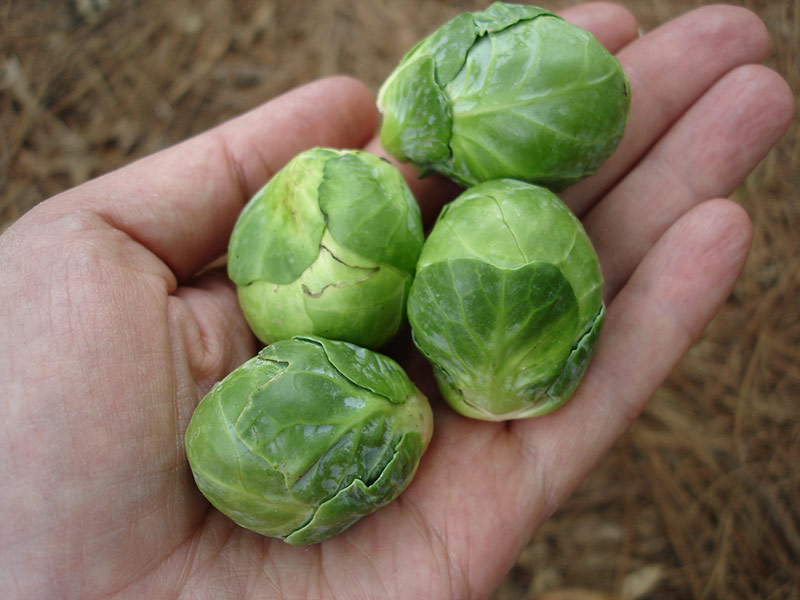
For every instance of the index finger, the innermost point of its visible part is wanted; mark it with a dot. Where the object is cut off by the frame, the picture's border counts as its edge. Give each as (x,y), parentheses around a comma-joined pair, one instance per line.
(181,203)
(669,69)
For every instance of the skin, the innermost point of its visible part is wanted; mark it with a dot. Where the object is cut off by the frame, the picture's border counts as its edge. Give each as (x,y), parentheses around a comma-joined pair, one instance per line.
(110,338)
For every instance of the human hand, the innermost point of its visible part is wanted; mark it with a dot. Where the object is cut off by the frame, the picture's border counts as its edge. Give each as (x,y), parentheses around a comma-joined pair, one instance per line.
(111,338)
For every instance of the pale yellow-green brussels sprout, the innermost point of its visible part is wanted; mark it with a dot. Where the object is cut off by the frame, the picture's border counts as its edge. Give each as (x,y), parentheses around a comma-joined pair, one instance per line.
(327,247)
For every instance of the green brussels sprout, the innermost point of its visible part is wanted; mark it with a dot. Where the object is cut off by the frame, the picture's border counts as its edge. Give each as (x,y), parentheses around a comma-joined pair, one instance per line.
(509,92)
(327,247)
(507,303)
(307,437)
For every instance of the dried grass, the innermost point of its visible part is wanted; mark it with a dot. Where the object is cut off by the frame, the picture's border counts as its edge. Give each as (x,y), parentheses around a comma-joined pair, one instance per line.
(701,499)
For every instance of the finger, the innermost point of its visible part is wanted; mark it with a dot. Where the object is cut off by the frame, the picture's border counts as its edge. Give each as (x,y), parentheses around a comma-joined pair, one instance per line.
(181,203)
(669,69)
(706,154)
(212,331)
(649,326)
(613,25)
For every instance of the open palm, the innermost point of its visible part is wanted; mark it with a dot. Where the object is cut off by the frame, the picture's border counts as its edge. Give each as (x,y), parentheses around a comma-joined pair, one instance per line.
(111,337)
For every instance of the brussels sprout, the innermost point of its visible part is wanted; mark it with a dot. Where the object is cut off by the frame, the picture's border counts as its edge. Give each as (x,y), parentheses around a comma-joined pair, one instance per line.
(512,91)
(307,437)
(327,247)
(507,302)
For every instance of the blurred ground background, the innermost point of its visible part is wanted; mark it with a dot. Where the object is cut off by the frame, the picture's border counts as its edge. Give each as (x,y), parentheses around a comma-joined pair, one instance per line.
(701,499)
